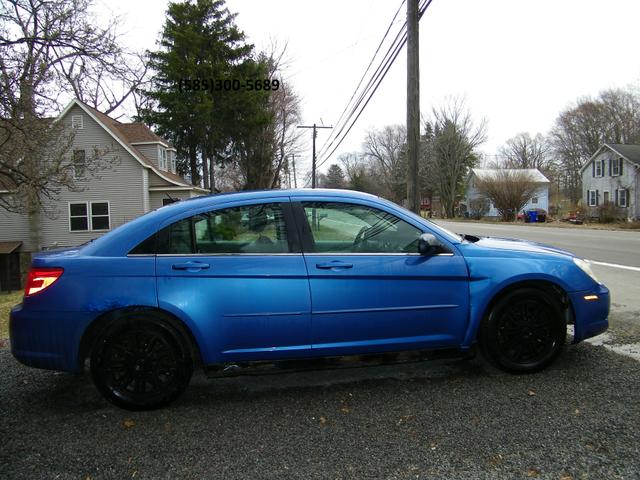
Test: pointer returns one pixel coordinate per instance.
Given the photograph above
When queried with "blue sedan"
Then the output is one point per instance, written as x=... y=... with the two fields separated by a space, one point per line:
x=232 y=281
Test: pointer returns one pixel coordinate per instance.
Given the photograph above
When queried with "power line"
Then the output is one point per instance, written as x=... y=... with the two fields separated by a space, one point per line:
x=370 y=89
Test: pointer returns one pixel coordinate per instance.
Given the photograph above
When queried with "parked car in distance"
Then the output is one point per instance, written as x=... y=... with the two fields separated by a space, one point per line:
x=236 y=280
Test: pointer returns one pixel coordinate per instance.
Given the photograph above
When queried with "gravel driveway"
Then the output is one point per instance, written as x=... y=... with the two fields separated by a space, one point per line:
x=577 y=420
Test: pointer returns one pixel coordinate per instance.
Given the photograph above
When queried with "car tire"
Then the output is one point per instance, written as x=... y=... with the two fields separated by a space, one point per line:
x=141 y=363
x=524 y=331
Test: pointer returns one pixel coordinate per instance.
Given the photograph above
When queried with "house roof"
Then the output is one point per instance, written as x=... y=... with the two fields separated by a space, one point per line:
x=126 y=134
x=630 y=152
x=488 y=173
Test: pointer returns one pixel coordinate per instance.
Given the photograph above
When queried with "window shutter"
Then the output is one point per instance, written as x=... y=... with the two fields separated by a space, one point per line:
x=593 y=169
x=621 y=163
x=617 y=202
x=597 y=198
x=610 y=173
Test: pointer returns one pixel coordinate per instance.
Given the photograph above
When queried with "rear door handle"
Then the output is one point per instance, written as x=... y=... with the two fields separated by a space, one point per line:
x=192 y=266
x=337 y=265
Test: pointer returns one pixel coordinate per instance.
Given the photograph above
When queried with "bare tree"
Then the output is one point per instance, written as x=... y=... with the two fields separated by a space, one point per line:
x=613 y=117
x=359 y=176
x=451 y=150
x=386 y=149
x=522 y=151
x=50 y=50
x=508 y=190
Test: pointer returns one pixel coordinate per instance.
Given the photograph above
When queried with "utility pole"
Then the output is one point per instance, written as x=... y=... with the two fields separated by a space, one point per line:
x=313 y=163
x=293 y=163
x=413 y=106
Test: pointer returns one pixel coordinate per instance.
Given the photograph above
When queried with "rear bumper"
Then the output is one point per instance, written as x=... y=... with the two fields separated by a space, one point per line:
x=591 y=311
x=48 y=340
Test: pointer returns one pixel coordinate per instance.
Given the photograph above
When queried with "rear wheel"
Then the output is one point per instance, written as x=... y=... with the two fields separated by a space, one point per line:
x=141 y=363
x=524 y=332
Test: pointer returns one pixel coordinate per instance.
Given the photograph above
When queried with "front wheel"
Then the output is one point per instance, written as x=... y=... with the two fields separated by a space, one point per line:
x=141 y=364
x=524 y=332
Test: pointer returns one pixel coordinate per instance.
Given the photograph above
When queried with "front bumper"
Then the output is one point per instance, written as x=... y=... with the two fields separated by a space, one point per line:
x=591 y=312
x=48 y=340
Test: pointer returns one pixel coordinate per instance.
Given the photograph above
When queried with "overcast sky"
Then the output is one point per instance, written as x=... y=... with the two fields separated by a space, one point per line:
x=517 y=63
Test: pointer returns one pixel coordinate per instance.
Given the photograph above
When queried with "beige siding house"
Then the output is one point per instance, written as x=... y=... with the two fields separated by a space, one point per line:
x=139 y=175
x=612 y=176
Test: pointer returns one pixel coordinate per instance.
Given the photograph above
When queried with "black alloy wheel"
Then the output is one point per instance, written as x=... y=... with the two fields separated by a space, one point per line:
x=524 y=332
x=141 y=364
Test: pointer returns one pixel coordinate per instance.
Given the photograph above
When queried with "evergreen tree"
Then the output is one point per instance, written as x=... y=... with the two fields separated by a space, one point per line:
x=200 y=41
x=335 y=177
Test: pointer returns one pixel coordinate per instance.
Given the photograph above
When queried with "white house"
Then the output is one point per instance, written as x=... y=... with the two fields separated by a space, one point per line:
x=611 y=176
x=539 y=200
x=140 y=177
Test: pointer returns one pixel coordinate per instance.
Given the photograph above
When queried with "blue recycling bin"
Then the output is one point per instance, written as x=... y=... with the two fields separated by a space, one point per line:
x=533 y=216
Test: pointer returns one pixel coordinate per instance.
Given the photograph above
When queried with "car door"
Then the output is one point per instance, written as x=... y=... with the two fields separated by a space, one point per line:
x=237 y=274
x=370 y=289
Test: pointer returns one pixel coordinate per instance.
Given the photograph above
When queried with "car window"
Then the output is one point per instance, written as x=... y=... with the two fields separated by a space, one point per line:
x=349 y=228
x=250 y=229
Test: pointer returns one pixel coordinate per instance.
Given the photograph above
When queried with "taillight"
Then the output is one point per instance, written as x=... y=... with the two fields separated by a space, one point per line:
x=40 y=279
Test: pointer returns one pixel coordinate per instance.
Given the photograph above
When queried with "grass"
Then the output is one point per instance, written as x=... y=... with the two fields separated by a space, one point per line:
x=7 y=300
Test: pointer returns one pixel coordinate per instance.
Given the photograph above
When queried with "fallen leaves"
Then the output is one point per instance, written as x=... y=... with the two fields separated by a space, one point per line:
x=128 y=423
x=531 y=392
x=533 y=472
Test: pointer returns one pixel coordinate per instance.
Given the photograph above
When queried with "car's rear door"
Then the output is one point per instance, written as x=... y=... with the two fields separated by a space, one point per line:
x=237 y=275
x=370 y=289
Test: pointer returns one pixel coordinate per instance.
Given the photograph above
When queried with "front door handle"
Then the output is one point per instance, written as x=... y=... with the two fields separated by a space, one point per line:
x=335 y=265
x=191 y=266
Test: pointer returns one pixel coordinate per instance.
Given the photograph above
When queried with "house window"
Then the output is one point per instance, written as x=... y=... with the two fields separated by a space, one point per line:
x=592 y=197
x=89 y=216
x=621 y=198
x=616 y=167
x=79 y=163
x=162 y=158
x=534 y=200
x=100 y=216
x=599 y=167
x=77 y=121
x=78 y=217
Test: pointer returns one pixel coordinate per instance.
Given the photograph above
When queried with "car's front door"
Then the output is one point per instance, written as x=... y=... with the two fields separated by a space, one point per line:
x=370 y=289
x=237 y=274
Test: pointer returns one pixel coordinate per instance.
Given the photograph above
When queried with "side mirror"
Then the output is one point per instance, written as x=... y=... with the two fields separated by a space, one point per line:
x=428 y=244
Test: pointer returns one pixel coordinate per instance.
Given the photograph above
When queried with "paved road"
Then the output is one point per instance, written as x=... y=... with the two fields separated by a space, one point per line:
x=609 y=246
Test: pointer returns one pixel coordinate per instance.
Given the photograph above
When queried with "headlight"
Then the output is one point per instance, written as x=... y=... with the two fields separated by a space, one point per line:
x=585 y=266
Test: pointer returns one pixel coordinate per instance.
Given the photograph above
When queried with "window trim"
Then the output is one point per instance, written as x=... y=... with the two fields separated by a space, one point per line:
x=80 y=176
x=88 y=204
x=599 y=163
x=626 y=198
x=293 y=239
x=595 y=198
x=308 y=242
x=108 y=215
x=617 y=163
x=77 y=122
x=162 y=158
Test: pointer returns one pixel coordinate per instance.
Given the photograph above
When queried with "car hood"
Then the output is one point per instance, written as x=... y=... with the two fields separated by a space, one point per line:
x=518 y=245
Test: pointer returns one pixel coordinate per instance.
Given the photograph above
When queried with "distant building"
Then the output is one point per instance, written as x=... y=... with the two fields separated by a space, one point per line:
x=539 y=200
x=612 y=176
x=142 y=176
